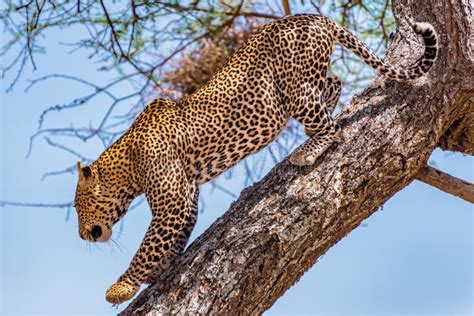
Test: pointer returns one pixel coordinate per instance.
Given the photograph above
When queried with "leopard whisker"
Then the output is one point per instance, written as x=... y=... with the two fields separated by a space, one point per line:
x=119 y=234
x=119 y=245
x=111 y=247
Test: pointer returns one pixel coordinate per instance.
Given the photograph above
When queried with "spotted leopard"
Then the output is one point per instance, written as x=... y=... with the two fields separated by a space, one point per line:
x=173 y=147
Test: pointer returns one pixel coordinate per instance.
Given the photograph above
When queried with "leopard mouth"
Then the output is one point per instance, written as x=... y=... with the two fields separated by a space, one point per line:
x=96 y=233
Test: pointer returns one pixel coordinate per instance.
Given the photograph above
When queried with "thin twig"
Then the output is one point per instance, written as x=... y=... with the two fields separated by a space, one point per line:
x=25 y=204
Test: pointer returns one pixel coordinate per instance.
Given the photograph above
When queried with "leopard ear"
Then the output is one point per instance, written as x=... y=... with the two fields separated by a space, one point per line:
x=84 y=172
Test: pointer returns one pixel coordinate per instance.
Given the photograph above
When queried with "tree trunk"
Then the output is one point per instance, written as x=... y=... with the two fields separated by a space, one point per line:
x=279 y=227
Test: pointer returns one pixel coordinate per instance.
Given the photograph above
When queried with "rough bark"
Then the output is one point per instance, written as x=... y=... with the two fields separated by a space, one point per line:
x=279 y=227
x=460 y=136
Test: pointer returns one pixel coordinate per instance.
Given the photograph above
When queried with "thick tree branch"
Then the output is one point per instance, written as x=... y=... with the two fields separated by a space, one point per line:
x=447 y=183
x=279 y=227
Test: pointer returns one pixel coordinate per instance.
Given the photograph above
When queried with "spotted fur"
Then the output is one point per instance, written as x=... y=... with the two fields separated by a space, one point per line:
x=173 y=147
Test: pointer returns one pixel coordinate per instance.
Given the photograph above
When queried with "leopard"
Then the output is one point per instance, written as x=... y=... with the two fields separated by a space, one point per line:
x=172 y=147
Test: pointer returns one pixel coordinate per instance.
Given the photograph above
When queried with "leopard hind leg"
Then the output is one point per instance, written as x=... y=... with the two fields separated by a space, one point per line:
x=311 y=110
x=332 y=92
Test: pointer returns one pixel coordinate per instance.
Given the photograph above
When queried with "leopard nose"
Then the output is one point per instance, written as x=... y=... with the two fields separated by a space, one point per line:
x=96 y=232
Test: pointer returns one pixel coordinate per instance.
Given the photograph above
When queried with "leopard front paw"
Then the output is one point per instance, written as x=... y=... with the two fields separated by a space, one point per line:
x=302 y=158
x=120 y=292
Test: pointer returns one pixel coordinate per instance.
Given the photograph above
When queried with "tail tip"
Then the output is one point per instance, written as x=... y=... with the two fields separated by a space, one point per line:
x=423 y=28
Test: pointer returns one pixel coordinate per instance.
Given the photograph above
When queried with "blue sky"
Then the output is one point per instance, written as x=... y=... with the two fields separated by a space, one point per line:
x=413 y=257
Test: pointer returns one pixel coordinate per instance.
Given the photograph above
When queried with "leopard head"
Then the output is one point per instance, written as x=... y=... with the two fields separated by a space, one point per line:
x=99 y=202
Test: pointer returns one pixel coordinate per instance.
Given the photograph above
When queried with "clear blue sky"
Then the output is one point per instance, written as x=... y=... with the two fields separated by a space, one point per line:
x=413 y=257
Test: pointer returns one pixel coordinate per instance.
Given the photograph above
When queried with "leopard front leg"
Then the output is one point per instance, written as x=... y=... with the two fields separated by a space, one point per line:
x=173 y=201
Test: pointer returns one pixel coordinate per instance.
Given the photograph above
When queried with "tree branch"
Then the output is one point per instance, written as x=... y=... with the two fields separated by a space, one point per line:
x=286 y=7
x=447 y=183
x=279 y=227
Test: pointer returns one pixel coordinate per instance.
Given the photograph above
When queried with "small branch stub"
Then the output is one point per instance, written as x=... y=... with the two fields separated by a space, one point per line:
x=447 y=183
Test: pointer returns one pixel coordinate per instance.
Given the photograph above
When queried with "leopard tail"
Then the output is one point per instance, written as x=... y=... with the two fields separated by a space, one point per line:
x=424 y=63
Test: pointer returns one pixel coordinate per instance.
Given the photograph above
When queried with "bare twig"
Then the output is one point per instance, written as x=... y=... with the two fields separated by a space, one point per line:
x=213 y=11
x=24 y=204
x=447 y=183
x=286 y=7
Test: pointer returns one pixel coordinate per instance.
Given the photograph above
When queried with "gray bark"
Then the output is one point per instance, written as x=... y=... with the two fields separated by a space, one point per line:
x=279 y=227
